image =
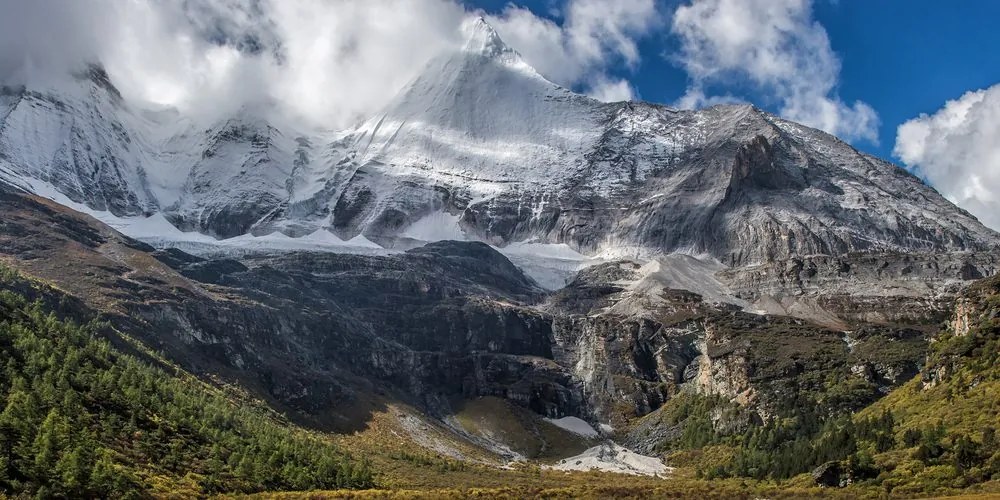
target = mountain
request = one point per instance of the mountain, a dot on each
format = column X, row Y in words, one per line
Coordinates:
column 447, row 357
column 483, row 137
column 80, row 140
column 726, row 291
column 482, row 143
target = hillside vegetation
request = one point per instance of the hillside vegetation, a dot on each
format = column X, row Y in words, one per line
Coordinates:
column 937, row 434
column 80, row 418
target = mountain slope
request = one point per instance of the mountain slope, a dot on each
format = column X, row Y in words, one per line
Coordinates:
column 80, row 139
column 80, row 418
column 240, row 178
column 960, row 382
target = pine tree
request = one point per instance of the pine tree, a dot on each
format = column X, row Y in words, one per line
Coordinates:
column 73, row 470
column 48, row 446
column 79, row 419
column 966, row 452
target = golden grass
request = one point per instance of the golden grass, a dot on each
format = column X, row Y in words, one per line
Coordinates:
column 519, row 429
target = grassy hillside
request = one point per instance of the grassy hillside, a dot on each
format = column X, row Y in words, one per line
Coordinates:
column 946, row 421
column 935, row 435
column 79, row 418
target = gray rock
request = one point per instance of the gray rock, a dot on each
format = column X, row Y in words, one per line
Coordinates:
column 829, row 474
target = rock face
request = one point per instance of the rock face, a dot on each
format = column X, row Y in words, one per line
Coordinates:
column 838, row 291
column 630, row 362
column 435, row 323
column 316, row 332
column 973, row 327
column 828, row 474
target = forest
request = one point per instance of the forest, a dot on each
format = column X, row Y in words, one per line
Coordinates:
column 82, row 419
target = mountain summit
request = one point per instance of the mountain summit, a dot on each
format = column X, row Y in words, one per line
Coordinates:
column 478, row 113
column 484, row 40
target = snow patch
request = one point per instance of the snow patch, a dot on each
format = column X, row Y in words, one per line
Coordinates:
column 551, row 265
column 611, row 457
column 156, row 230
column 559, row 251
column 318, row 241
column 575, row 425
column 436, row 226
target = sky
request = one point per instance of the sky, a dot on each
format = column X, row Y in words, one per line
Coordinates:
column 916, row 82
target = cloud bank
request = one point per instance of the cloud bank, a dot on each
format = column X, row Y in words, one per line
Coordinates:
column 958, row 151
column 330, row 62
column 778, row 49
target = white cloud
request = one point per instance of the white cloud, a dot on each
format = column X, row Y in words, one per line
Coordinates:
column 611, row 90
column 957, row 151
column 695, row 98
column 776, row 47
column 594, row 35
column 346, row 59
column 331, row 62
column 33, row 37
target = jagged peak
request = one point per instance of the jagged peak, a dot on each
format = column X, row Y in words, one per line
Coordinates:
column 482, row 39
column 96, row 74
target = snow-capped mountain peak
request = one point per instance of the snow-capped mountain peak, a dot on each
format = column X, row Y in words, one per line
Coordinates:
column 483, row 144
column 484, row 40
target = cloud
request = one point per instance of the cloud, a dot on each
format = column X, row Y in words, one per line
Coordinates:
column 696, row 98
column 332, row 63
column 777, row 48
column 346, row 59
column 957, row 151
column 329, row 62
column 191, row 53
column 611, row 90
column 594, row 36
column 33, row 36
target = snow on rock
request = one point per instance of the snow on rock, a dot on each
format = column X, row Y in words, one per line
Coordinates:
column 677, row 272
column 481, row 113
column 436, row 226
column 318, row 241
column 574, row 425
column 559, row 251
column 611, row 457
column 551, row 265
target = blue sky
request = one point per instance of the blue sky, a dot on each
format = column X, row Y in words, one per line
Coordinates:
column 902, row 57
